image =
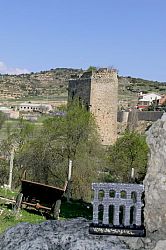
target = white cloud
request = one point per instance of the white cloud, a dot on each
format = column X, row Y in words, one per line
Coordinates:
column 4, row 69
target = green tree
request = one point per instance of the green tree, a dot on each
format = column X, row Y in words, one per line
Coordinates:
column 91, row 68
column 72, row 136
column 130, row 151
column 12, row 145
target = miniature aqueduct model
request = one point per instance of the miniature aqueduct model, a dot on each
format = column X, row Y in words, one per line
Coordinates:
column 117, row 209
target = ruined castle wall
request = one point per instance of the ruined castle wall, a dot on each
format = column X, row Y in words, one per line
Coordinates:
column 79, row 87
column 98, row 91
column 103, row 104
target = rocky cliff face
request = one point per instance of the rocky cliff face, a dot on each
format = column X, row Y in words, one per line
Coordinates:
column 155, row 181
column 59, row 235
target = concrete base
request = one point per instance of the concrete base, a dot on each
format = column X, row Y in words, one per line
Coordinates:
column 133, row 231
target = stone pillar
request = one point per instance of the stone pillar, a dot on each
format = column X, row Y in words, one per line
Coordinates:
column 95, row 212
column 138, row 215
column 138, row 210
column 106, row 214
column 116, row 215
column 127, row 216
column 95, row 206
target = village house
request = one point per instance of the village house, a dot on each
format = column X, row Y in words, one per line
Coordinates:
column 145, row 100
column 10, row 113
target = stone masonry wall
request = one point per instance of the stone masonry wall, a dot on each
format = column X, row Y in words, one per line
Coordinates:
column 79, row 87
column 103, row 103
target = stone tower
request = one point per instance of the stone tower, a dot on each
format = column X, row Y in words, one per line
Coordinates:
column 98, row 90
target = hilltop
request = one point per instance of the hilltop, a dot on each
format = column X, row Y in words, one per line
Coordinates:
column 53, row 83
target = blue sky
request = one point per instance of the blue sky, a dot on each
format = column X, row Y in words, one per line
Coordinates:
column 129, row 35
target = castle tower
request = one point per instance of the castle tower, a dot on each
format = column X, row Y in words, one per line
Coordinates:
column 98, row 90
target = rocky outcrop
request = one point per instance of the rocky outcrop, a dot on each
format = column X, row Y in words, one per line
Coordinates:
column 69, row 235
column 155, row 182
column 51, row 235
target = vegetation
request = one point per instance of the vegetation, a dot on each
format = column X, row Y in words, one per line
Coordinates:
column 9, row 219
column 2, row 119
column 75, row 208
column 49, row 85
column 73, row 137
column 44, row 151
column 129, row 151
column 6, row 193
column 91, row 68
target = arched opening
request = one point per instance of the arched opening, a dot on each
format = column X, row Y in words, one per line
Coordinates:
column 132, row 215
column 100, row 213
column 142, row 215
column 123, row 194
column 121, row 215
column 134, row 197
column 111, row 214
column 100, row 195
column 112, row 193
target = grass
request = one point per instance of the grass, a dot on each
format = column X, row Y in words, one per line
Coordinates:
column 9, row 219
column 73, row 209
column 76, row 209
column 61, row 97
column 6, row 193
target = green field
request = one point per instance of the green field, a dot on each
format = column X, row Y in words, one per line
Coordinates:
column 39, row 99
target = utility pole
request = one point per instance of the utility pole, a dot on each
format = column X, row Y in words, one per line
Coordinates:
column 69, row 180
column 132, row 175
column 11, row 167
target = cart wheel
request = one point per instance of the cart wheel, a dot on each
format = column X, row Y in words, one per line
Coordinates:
column 18, row 202
column 56, row 209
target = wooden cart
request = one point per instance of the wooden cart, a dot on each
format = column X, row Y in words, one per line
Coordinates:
column 40, row 196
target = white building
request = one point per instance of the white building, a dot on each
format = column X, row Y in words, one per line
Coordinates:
column 10, row 113
column 30, row 107
column 145, row 100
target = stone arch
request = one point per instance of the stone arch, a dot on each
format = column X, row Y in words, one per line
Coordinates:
column 112, row 193
column 123, row 194
column 101, row 195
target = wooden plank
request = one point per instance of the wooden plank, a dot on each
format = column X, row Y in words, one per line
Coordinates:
column 37, row 205
column 44, row 185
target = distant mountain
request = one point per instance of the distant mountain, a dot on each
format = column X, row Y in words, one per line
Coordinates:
column 55, row 82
